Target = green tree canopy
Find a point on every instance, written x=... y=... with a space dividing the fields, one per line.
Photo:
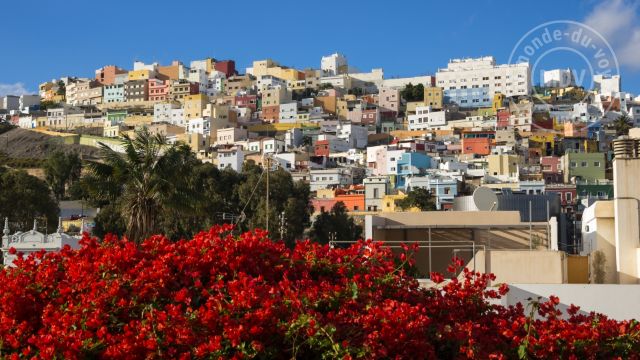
x=149 y=181
x=622 y=125
x=413 y=92
x=335 y=224
x=418 y=197
x=62 y=170
x=24 y=197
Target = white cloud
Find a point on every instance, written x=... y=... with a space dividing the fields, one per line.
x=618 y=22
x=13 y=89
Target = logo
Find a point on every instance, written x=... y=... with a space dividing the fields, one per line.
x=592 y=62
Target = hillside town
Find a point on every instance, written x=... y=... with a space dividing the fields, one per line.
x=508 y=165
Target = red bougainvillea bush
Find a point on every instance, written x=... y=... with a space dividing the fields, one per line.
x=223 y=296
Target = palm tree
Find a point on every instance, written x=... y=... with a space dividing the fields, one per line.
x=622 y=125
x=148 y=181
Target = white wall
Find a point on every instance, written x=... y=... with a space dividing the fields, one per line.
x=619 y=302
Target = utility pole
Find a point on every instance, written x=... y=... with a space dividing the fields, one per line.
x=267 y=205
x=283 y=230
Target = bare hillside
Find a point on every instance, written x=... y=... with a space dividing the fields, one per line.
x=21 y=143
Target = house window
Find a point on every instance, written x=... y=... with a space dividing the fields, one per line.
x=573 y=164
x=596 y=163
x=567 y=196
x=584 y=164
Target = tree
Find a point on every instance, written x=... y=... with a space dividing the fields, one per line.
x=284 y=195
x=336 y=224
x=6 y=126
x=149 y=181
x=622 y=125
x=46 y=104
x=24 y=197
x=109 y=221
x=62 y=89
x=62 y=170
x=419 y=198
x=413 y=92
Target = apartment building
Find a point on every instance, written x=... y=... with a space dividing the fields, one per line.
x=474 y=82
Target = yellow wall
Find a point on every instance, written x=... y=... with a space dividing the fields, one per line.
x=139 y=74
x=433 y=97
x=389 y=203
x=504 y=165
x=578 y=269
x=498 y=101
x=194 y=104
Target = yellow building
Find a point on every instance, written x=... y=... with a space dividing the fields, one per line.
x=389 y=203
x=140 y=75
x=270 y=67
x=194 y=105
x=503 y=165
x=433 y=96
x=138 y=120
x=498 y=101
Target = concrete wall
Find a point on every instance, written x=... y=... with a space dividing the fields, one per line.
x=619 y=302
x=115 y=144
x=598 y=234
x=627 y=218
x=517 y=266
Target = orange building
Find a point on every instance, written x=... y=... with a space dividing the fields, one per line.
x=352 y=197
x=478 y=142
x=575 y=129
x=107 y=74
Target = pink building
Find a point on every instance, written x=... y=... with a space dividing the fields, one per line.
x=158 y=90
x=551 y=169
x=575 y=129
x=246 y=101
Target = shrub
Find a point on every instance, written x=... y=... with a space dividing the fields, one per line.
x=225 y=296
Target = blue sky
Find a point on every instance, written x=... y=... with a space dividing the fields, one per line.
x=44 y=39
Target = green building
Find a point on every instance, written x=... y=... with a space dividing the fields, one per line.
x=584 y=166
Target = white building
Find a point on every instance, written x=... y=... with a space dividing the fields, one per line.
x=369 y=81
x=270 y=82
x=289 y=112
x=230 y=136
x=558 y=78
x=10 y=102
x=400 y=83
x=27 y=122
x=140 y=65
x=199 y=76
x=474 y=82
x=330 y=178
x=608 y=86
x=356 y=136
x=425 y=119
x=32 y=241
x=334 y=64
x=27 y=101
x=168 y=112
x=293 y=138
x=201 y=125
x=230 y=158
x=375 y=188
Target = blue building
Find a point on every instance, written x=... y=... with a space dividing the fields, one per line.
x=474 y=97
x=443 y=189
x=410 y=164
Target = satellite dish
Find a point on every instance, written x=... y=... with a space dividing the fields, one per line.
x=485 y=199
